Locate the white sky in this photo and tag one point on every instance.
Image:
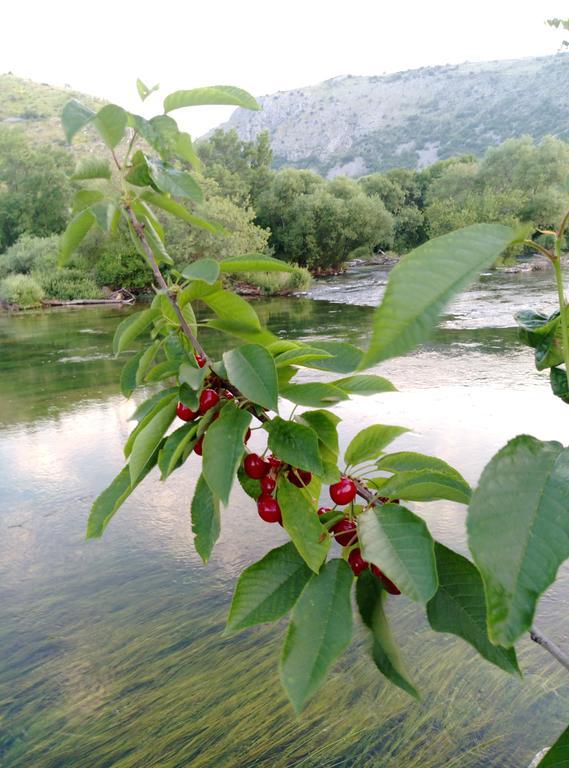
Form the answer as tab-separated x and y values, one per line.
263	46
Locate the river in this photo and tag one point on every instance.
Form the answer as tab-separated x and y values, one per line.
111	651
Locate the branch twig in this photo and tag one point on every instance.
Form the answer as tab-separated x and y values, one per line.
550	647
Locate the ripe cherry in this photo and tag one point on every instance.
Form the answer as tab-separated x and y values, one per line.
247	435
345	532
268	485
274	462
387	583
268	509
200	360
255	467
185	413
208	399
299	477
356	562
343	491
323	510
198	447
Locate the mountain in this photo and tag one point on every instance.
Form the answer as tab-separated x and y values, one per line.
36	109
355	125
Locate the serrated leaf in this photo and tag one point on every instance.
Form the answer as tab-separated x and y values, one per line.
128	374
75	232
149	404
177	209
458	607
370	598
232	308
74	117
254	262
426	485
345	357
405	461
295	444
313	394
173	181
203	269
320	630
223	449
110	121
131	327
149	438
424	281
268	589
518	530
399	543
370	442
252	370
251	487
302	524
146	361
84	198
206	520
364	384
298	355
215	94
324	424
174	448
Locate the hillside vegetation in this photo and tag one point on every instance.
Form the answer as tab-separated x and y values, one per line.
356	125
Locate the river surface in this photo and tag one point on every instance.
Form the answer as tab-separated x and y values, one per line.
111	651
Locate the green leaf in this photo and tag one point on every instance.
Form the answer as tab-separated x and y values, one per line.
110	122
458	607
174	182
252	370
149	437
370	597
245	333
303	525
364	384
558	755
426	485
345	357
559	385
313	394
84	198
177	209
184	149
254	262
370	442
324	424
92	168
268	589
298	356
146	361
518	530
215	94
232	308
223	449
251	487
399	543
74	233
295	444
206	520
128	374
320	630
203	269
424	281
143	90
131	327
74	117
192	375
158	248
148	406
174	448
406	461
139	173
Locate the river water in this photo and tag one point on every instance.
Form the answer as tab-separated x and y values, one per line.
111	651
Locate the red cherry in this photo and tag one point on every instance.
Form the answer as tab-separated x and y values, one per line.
198	447
343	491
255	467
345	532
268	509
299	477
208	399
274	462
268	485
185	413
200	360
247	435
387	583
356	562
323	510
228	395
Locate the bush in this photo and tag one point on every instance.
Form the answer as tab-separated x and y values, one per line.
119	265
22	290
30	253
68	284
271	283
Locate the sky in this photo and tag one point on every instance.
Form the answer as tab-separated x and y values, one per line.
262	46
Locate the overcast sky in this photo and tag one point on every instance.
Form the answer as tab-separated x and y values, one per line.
261	45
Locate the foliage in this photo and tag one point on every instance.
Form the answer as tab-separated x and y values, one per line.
276	283
117	263
68	283
21	290
29	253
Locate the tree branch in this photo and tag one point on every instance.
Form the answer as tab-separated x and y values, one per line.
158	276
550	647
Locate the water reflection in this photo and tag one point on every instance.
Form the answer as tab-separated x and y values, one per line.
111	651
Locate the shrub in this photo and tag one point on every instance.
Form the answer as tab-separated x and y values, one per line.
68	284
30	253
22	290
119	265
271	283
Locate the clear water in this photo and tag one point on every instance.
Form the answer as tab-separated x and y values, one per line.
111	651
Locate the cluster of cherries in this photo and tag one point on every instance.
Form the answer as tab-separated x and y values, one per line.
209	398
